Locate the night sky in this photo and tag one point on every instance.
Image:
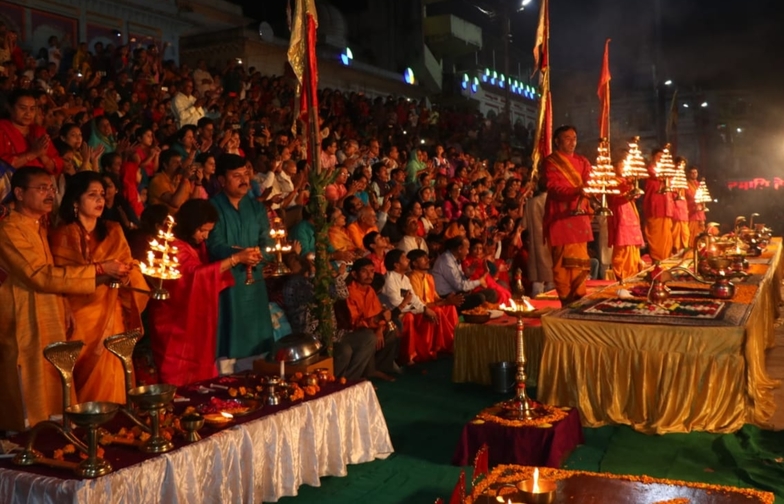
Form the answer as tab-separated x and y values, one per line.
705	43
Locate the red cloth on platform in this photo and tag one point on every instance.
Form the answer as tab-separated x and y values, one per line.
184	328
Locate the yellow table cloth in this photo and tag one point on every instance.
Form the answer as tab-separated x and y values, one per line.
479	345
665	378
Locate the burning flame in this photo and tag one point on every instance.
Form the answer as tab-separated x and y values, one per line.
227	415
524	307
536	481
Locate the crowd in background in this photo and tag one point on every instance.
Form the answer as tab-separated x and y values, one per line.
432	207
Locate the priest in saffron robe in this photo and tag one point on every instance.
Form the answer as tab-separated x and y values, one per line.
184	328
658	208
85	238
696	210
623	230
567	225
24	143
33	311
245	324
680	222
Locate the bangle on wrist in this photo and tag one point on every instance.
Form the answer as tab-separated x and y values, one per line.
99	269
233	261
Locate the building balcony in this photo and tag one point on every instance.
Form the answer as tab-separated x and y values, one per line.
448	35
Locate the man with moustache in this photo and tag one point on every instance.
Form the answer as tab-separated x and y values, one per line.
33	310
244	325
567	226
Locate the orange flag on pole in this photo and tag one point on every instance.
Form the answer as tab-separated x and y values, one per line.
604	94
543	141
302	57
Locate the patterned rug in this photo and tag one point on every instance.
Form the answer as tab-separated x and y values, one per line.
707	309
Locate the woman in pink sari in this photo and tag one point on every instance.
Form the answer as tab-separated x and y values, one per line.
476	265
184	328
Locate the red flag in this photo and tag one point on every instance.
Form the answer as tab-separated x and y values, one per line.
543	141
458	494
480	464
604	94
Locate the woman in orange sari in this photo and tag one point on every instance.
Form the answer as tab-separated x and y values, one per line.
338	236
85	238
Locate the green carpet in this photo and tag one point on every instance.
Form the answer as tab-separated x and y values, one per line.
425	413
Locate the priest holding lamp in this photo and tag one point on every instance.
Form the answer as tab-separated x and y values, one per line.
245	325
567	225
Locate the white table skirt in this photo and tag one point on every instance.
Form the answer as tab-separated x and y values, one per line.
262	460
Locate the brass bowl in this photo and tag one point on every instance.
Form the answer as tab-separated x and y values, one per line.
545	495
152	396
476	319
191	423
719	263
92	414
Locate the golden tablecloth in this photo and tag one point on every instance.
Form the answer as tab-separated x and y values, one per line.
479	345
665	378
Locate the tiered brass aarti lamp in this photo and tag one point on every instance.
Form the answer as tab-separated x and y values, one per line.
161	261
602	179
634	166
278	233
679	182
702	195
665	169
519	408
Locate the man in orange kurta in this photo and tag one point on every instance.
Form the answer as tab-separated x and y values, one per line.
424	286
658	208
366	312
567	225
32	306
696	210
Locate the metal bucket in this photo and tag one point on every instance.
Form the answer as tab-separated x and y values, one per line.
502	376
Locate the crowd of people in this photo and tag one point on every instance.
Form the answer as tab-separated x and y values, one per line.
432	212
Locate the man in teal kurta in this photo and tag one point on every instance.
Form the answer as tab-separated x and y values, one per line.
244	326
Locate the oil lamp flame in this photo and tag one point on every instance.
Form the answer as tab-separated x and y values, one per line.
226	415
536	481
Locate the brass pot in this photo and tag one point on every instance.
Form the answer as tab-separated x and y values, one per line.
722	289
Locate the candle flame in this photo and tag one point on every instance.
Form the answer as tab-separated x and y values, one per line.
536	480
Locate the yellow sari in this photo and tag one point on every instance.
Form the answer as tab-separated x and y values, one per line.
98	374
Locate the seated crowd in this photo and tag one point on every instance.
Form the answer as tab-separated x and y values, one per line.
96	154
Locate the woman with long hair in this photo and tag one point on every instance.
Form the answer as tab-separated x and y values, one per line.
117	208
84	237
184	328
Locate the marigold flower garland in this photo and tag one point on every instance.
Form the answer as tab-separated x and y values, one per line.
554	414
513	474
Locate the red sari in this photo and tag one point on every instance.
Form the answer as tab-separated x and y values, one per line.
13	144
184	328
